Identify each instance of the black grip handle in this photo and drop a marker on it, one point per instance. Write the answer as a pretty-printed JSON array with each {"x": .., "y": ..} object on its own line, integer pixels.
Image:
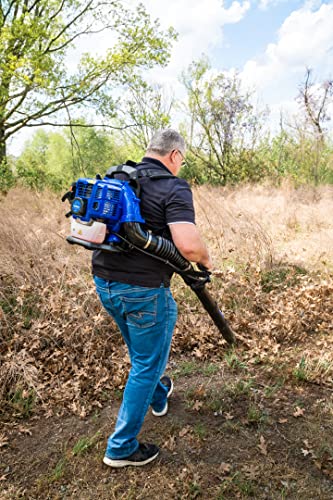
[{"x": 131, "y": 172}]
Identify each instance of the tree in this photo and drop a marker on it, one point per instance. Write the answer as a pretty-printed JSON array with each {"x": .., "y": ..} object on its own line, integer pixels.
[
  {"x": 315, "y": 100},
  {"x": 55, "y": 159},
  {"x": 147, "y": 108},
  {"x": 224, "y": 127},
  {"x": 35, "y": 37},
  {"x": 45, "y": 161},
  {"x": 313, "y": 150}
]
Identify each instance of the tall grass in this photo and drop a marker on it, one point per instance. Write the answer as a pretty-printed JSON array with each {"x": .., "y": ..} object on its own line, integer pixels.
[{"x": 57, "y": 345}]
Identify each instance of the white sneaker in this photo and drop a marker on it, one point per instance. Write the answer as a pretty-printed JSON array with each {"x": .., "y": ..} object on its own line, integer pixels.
[{"x": 169, "y": 384}]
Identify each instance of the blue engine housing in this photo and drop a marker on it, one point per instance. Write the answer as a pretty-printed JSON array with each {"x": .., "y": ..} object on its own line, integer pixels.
[{"x": 111, "y": 201}]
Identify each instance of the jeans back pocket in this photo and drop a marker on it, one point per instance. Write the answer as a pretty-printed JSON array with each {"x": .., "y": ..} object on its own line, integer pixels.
[{"x": 141, "y": 312}]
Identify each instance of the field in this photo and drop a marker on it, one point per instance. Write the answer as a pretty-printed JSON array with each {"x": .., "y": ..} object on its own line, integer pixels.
[{"x": 254, "y": 421}]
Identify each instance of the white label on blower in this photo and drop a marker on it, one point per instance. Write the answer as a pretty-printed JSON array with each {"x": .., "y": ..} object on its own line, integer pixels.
[{"x": 94, "y": 232}]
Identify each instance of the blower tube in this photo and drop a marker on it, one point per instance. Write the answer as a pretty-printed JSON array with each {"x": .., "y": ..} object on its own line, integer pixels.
[{"x": 165, "y": 250}]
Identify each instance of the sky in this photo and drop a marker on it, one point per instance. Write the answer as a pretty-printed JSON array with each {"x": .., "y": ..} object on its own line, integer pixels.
[{"x": 270, "y": 43}]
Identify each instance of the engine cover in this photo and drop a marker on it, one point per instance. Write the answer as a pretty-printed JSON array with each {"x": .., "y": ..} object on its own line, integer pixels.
[{"x": 110, "y": 202}]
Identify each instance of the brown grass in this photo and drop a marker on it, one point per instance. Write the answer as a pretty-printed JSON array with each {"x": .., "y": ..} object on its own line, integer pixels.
[
  {"x": 251, "y": 422},
  {"x": 56, "y": 340},
  {"x": 265, "y": 224}
]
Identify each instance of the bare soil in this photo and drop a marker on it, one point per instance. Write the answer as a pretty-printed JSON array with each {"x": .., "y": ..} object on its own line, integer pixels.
[{"x": 236, "y": 431}]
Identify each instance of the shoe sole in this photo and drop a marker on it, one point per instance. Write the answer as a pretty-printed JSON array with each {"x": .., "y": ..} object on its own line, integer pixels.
[
  {"x": 165, "y": 409},
  {"x": 125, "y": 463}
]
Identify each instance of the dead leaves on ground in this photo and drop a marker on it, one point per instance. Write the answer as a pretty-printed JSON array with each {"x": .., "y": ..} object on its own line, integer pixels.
[{"x": 74, "y": 355}]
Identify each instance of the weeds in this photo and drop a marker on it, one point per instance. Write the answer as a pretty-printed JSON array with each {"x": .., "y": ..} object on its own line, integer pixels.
[
  {"x": 240, "y": 388},
  {"x": 84, "y": 444},
  {"x": 281, "y": 276},
  {"x": 236, "y": 485},
  {"x": 210, "y": 369},
  {"x": 314, "y": 369},
  {"x": 59, "y": 470},
  {"x": 186, "y": 368},
  {"x": 56, "y": 341},
  {"x": 300, "y": 371},
  {"x": 23, "y": 402},
  {"x": 233, "y": 361},
  {"x": 270, "y": 391},
  {"x": 200, "y": 430},
  {"x": 72, "y": 353},
  {"x": 255, "y": 415}
]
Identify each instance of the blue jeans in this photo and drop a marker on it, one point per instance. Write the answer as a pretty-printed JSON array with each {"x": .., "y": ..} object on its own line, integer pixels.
[{"x": 146, "y": 318}]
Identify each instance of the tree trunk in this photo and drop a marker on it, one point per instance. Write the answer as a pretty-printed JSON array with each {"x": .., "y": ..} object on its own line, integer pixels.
[
  {"x": 2, "y": 144},
  {"x": 7, "y": 179}
]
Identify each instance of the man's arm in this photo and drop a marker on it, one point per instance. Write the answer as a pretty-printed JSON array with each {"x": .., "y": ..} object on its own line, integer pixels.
[{"x": 187, "y": 239}]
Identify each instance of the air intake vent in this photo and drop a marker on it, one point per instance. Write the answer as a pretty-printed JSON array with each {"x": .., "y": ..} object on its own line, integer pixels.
[
  {"x": 84, "y": 190},
  {"x": 110, "y": 209},
  {"x": 113, "y": 194},
  {"x": 99, "y": 193}
]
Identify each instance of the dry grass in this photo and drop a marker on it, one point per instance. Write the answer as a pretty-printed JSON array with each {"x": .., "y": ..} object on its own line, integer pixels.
[
  {"x": 61, "y": 354},
  {"x": 264, "y": 224},
  {"x": 56, "y": 340}
]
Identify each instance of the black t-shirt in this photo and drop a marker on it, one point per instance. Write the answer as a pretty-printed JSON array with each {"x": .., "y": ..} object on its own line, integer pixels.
[{"x": 163, "y": 201}]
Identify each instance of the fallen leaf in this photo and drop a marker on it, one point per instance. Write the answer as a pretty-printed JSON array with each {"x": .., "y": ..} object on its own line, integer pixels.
[
  {"x": 184, "y": 431},
  {"x": 197, "y": 405},
  {"x": 24, "y": 430},
  {"x": 263, "y": 446},
  {"x": 305, "y": 452},
  {"x": 3, "y": 441},
  {"x": 299, "y": 412},
  {"x": 251, "y": 471},
  {"x": 228, "y": 416},
  {"x": 225, "y": 468},
  {"x": 283, "y": 420},
  {"x": 170, "y": 444}
]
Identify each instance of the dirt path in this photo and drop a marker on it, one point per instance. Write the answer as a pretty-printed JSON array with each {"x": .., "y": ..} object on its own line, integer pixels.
[{"x": 233, "y": 431}]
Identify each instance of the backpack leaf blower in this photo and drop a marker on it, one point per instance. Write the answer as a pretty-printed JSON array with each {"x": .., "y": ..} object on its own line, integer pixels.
[{"x": 105, "y": 215}]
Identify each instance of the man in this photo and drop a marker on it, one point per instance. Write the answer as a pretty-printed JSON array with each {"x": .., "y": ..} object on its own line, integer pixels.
[{"x": 134, "y": 289}]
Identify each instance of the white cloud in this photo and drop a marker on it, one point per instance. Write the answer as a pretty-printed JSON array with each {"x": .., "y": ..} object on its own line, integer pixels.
[
  {"x": 264, "y": 4},
  {"x": 304, "y": 39},
  {"x": 198, "y": 23}
]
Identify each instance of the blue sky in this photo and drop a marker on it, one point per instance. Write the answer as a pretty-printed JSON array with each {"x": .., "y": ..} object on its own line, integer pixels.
[
  {"x": 269, "y": 42},
  {"x": 248, "y": 38}
]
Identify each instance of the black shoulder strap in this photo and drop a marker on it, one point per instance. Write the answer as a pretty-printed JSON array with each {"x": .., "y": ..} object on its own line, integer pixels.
[{"x": 152, "y": 172}]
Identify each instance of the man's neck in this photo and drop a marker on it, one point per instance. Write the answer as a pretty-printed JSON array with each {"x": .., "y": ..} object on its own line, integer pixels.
[{"x": 163, "y": 159}]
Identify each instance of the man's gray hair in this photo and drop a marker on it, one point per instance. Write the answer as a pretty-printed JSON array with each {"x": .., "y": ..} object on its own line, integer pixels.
[{"x": 165, "y": 141}]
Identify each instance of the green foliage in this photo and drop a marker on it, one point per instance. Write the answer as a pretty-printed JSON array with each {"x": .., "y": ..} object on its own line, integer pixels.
[
  {"x": 224, "y": 128},
  {"x": 200, "y": 430},
  {"x": 33, "y": 169},
  {"x": 58, "y": 471},
  {"x": 301, "y": 371},
  {"x": 55, "y": 159},
  {"x": 302, "y": 158},
  {"x": 147, "y": 109},
  {"x": 35, "y": 39},
  {"x": 7, "y": 178},
  {"x": 84, "y": 444},
  {"x": 233, "y": 361}
]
